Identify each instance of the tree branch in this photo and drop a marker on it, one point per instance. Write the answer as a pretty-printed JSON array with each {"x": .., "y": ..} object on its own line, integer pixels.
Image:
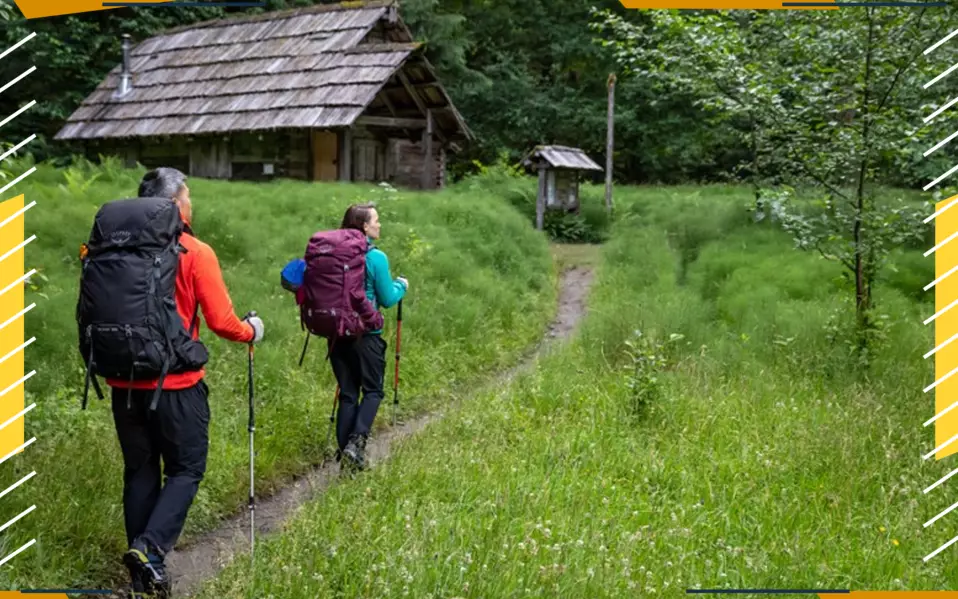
[
  {"x": 903, "y": 67},
  {"x": 839, "y": 259}
]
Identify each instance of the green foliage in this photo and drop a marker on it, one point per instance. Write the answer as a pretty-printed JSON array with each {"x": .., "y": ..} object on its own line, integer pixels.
[
  {"x": 648, "y": 359},
  {"x": 473, "y": 306},
  {"x": 802, "y": 83},
  {"x": 764, "y": 444}
]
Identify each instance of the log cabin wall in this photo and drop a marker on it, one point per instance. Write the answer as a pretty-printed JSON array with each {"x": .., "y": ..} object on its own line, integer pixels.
[{"x": 406, "y": 160}]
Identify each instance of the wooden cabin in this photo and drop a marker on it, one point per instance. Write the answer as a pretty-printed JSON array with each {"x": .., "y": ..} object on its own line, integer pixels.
[
  {"x": 559, "y": 168},
  {"x": 324, "y": 93}
]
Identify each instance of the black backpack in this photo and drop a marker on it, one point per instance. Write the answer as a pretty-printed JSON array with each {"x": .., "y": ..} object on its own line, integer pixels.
[{"x": 126, "y": 312}]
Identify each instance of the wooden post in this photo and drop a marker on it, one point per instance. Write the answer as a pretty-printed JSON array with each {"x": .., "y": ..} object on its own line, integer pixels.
[
  {"x": 609, "y": 145},
  {"x": 427, "y": 158},
  {"x": 541, "y": 198},
  {"x": 346, "y": 156}
]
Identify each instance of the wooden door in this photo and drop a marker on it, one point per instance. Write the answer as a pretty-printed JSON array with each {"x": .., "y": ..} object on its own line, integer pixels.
[
  {"x": 367, "y": 160},
  {"x": 325, "y": 151}
]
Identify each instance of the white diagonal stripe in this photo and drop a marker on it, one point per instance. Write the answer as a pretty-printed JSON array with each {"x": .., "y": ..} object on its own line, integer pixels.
[
  {"x": 931, "y": 386},
  {"x": 15, "y": 452},
  {"x": 14, "y": 82},
  {"x": 32, "y": 170},
  {"x": 940, "y": 447},
  {"x": 17, "y": 484},
  {"x": 17, "y": 315},
  {"x": 932, "y": 116},
  {"x": 927, "y": 320},
  {"x": 941, "y": 515},
  {"x": 940, "y": 145},
  {"x": 950, "y": 172},
  {"x": 940, "y": 347},
  {"x": 22, "y": 380},
  {"x": 13, "y": 520},
  {"x": 943, "y": 40},
  {"x": 940, "y": 414},
  {"x": 12, "y": 353},
  {"x": 954, "y": 200},
  {"x": 19, "y": 414},
  {"x": 33, "y": 271},
  {"x": 940, "y": 549},
  {"x": 18, "y": 44},
  {"x": 18, "y": 146},
  {"x": 20, "y": 246},
  {"x": 17, "y": 552},
  {"x": 941, "y": 480},
  {"x": 934, "y": 249},
  {"x": 927, "y": 287},
  {"x": 18, "y": 113},
  {"x": 942, "y": 76},
  {"x": 13, "y": 216}
]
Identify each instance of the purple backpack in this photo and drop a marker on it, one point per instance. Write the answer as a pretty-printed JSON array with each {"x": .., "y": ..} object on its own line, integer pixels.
[{"x": 332, "y": 298}]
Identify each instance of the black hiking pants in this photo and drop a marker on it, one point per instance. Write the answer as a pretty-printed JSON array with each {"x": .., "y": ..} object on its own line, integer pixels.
[
  {"x": 358, "y": 365},
  {"x": 177, "y": 432}
]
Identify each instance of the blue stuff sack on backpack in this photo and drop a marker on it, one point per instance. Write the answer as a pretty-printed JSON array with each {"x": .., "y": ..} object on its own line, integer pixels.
[{"x": 292, "y": 276}]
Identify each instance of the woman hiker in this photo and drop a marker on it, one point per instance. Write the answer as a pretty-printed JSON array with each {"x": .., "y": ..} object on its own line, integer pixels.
[{"x": 361, "y": 364}]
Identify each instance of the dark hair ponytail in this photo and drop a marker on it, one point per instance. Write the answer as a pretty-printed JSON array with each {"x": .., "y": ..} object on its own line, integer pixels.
[{"x": 356, "y": 216}]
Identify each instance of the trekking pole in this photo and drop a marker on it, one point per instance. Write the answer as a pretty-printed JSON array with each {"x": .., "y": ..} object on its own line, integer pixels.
[
  {"x": 332, "y": 417},
  {"x": 396, "y": 379},
  {"x": 252, "y": 428}
]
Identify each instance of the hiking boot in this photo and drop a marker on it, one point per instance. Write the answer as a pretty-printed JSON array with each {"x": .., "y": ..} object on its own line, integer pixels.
[
  {"x": 147, "y": 572},
  {"x": 355, "y": 451}
]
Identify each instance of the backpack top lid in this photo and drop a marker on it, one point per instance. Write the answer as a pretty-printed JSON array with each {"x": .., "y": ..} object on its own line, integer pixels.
[
  {"x": 336, "y": 242},
  {"x": 135, "y": 222}
]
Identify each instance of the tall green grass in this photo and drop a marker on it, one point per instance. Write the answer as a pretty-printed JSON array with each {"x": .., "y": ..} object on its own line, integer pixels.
[
  {"x": 766, "y": 457},
  {"x": 482, "y": 291}
]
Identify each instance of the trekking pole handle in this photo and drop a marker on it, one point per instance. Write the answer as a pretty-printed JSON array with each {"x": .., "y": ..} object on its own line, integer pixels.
[{"x": 250, "y": 314}]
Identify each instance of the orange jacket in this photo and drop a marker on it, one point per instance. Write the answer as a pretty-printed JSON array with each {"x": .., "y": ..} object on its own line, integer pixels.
[{"x": 198, "y": 279}]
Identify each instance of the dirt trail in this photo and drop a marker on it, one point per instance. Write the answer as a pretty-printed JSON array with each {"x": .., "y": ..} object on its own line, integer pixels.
[{"x": 209, "y": 553}]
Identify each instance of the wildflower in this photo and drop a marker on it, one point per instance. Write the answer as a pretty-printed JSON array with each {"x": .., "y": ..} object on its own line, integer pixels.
[{"x": 894, "y": 542}]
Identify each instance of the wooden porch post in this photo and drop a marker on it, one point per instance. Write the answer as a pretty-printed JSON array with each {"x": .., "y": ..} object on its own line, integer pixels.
[
  {"x": 541, "y": 198},
  {"x": 346, "y": 156},
  {"x": 427, "y": 158}
]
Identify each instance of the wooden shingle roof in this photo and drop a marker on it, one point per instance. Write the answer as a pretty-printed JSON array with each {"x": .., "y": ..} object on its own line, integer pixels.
[
  {"x": 315, "y": 67},
  {"x": 562, "y": 157}
]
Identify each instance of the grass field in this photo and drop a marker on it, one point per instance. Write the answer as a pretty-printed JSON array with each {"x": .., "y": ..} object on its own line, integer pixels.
[
  {"x": 474, "y": 305},
  {"x": 707, "y": 428}
]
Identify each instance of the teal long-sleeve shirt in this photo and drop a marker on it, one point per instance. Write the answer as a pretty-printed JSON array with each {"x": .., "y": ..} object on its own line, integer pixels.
[{"x": 381, "y": 289}]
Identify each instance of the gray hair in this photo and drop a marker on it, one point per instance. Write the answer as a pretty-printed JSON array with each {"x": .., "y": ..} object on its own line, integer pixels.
[{"x": 163, "y": 182}]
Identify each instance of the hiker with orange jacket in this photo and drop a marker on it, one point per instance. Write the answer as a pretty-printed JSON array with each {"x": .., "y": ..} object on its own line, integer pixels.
[{"x": 171, "y": 423}]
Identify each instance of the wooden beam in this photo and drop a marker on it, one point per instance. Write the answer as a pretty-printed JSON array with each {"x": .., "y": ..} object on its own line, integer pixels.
[
  {"x": 412, "y": 85},
  {"x": 427, "y": 157},
  {"x": 389, "y": 104},
  {"x": 541, "y": 198},
  {"x": 392, "y": 109},
  {"x": 609, "y": 145},
  {"x": 346, "y": 156},
  {"x": 415, "y": 98},
  {"x": 394, "y": 122}
]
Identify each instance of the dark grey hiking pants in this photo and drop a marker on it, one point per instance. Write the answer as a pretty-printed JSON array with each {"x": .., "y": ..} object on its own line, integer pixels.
[
  {"x": 359, "y": 366},
  {"x": 177, "y": 432}
]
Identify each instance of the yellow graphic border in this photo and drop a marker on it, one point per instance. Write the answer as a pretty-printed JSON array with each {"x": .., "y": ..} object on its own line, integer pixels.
[
  {"x": 38, "y": 9},
  {"x": 946, "y": 326}
]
